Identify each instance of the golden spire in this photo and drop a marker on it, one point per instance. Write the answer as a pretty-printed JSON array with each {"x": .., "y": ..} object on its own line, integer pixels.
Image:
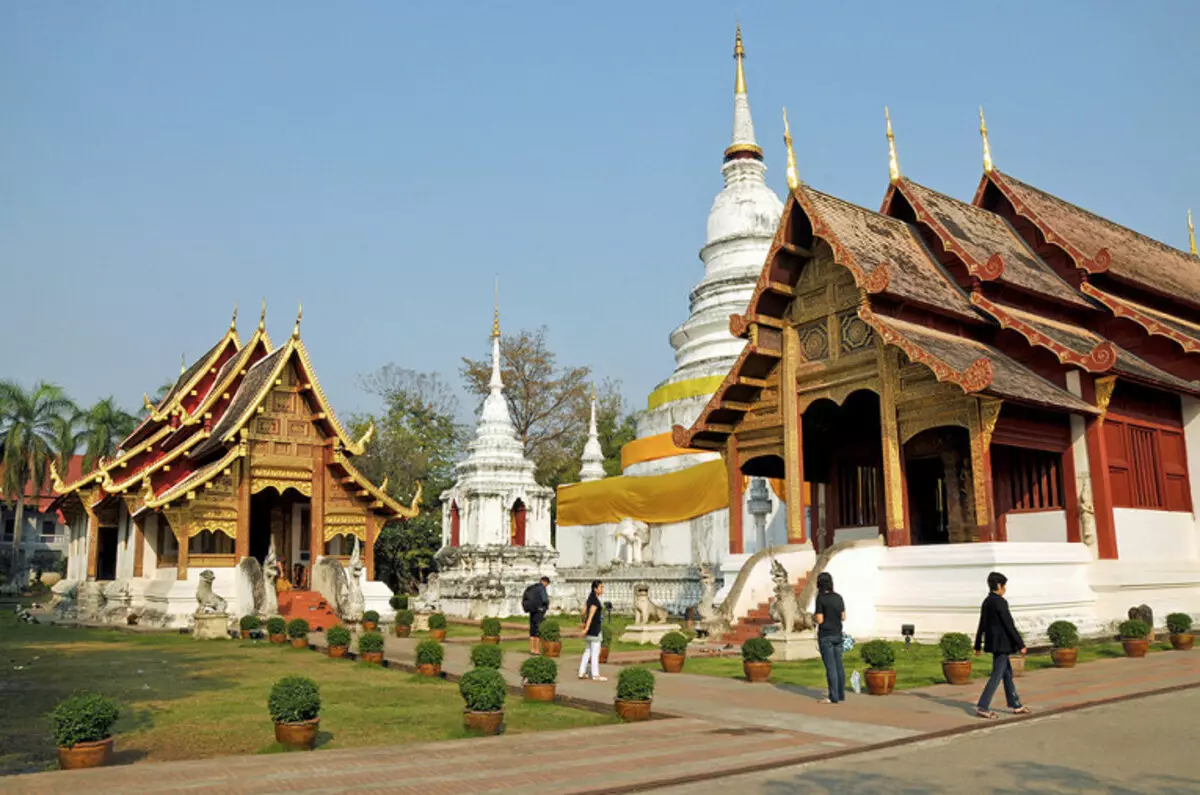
[
  {"x": 739, "y": 52},
  {"x": 233, "y": 322},
  {"x": 183, "y": 363},
  {"x": 296, "y": 328},
  {"x": 496, "y": 315},
  {"x": 793, "y": 175},
  {"x": 987, "y": 150},
  {"x": 893, "y": 161},
  {"x": 1191, "y": 232},
  {"x": 262, "y": 316}
]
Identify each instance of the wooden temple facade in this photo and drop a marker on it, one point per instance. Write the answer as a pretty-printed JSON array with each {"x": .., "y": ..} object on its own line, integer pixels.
[
  {"x": 942, "y": 371},
  {"x": 243, "y": 450}
]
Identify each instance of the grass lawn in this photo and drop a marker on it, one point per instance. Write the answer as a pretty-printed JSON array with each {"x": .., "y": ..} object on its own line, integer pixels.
[
  {"x": 184, "y": 699},
  {"x": 571, "y": 646}
]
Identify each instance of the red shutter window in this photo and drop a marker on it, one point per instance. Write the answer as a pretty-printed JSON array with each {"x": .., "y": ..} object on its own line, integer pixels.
[
  {"x": 1026, "y": 480},
  {"x": 857, "y": 496},
  {"x": 1175, "y": 478},
  {"x": 1143, "y": 468},
  {"x": 1147, "y": 466}
]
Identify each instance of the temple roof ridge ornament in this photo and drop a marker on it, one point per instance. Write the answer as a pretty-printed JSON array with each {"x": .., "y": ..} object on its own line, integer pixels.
[
  {"x": 893, "y": 161},
  {"x": 262, "y": 315},
  {"x": 988, "y": 167},
  {"x": 233, "y": 320},
  {"x": 299, "y": 315},
  {"x": 793, "y": 174},
  {"x": 1191, "y": 232},
  {"x": 743, "y": 142}
]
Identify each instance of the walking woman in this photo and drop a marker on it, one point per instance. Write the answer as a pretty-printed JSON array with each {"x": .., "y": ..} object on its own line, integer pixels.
[
  {"x": 592, "y": 618},
  {"x": 829, "y": 613}
]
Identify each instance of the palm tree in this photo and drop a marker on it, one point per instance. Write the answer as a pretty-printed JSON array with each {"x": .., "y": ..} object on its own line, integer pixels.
[
  {"x": 27, "y": 426},
  {"x": 68, "y": 435},
  {"x": 107, "y": 425}
]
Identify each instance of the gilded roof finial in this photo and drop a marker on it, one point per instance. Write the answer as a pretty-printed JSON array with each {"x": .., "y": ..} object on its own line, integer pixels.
[
  {"x": 987, "y": 149},
  {"x": 496, "y": 315},
  {"x": 793, "y": 174},
  {"x": 262, "y": 316},
  {"x": 183, "y": 363},
  {"x": 1191, "y": 232},
  {"x": 893, "y": 161},
  {"x": 233, "y": 322},
  {"x": 739, "y": 52},
  {"x": 299, "y": 314}
]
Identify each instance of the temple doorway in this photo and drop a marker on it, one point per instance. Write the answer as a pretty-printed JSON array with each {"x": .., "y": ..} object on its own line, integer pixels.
[
  {"x": 927, "y": 501},
  {"x": 517, "y": 519},
  {"x": 285, "y": 519},
  {"x": 937, "y": 473},
  {"x": 106, "y": 553},
  {"x": 843, "y": 453}
]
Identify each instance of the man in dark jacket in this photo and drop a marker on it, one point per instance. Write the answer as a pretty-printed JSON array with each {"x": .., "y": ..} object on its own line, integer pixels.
[
  {"x": 541, "y": 604},
  {"x": 1000, "y": 638}
]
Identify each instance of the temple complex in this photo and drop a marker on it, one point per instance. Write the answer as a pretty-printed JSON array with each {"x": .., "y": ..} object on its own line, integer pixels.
[{"x": 244, "y": 457}]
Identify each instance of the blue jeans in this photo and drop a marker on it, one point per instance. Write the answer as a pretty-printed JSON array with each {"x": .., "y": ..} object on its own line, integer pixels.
[
  {"x": 1001, "y": 672},
  {"x": 835, "y": 673}
]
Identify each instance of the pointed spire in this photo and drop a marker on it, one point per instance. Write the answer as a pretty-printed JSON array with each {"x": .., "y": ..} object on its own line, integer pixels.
[
  {"x": 262, "y": 316},
  {"x": 1191, "y": 232},
  {"x": 744, "y": 143},
  {"x": 893, "y": 161},
  {"x": 496, "y": 312},
  {"x": 793, "y": 174},
  {"x": 299, "y": 314},
  {"x": 183, "y": 363},
  {"x": 593, "y": 454},
  {"x": 233, "y": 322},
  {"x": 496, "y": 384},
  {"x": 739, "y": 54},
  {"x": 987, "y": 149}
]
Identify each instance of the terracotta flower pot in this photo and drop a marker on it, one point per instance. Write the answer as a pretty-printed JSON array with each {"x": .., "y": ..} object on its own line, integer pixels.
[
  {"x": 551, "y": 648},
  {"x": 957, "y": 672},
  {"x": 757, "y": 671},
  {"x": 603, "y": 654},
  {"x": 429, "y": 669},
  {"x": 369, "y": 626},
  {"x": 880, "y": 683},
  {"x": 245, "y": 634},
  {"x": 490, "y": 639},
  {"x": 337, "y": 651},
  {"x": 302, "y": 735},
  {"x": 539, "y": 692},
  {"x": 437, "y": 634},
  {"x": 299, "y": 643},
  {"x": 1017, "y": 661},
  {"x": 486, "y": 722},
  {"x": 1064, "y": 658},
  {"x": 402, "y": 631},
  {"x": 373, "y": 657},
  {"x": 633, "y": 710},
  {"x": 1135, "y": 647},
  {"x": 1183, "y": 642},
  {"x": 81, "y": 755},
  {"x": 280, "y": 639},
  {"x": 671, "y": 663}
]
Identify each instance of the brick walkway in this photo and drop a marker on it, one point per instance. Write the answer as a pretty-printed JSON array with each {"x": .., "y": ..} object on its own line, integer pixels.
[{"x": 718, "y": 727}]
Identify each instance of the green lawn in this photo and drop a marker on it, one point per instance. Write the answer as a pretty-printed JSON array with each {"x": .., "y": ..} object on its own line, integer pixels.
[
  {"x": 569, "y": 623},
  {"x": 183, "y": 699}
]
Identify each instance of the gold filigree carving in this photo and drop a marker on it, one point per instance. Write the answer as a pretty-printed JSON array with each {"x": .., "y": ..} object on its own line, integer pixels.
[
  {"x": 1104, "y": 392},
  {"x": 989, "y": 413}
]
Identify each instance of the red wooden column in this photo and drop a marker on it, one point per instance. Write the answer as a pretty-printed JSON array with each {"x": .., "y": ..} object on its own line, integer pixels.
[
  {"x": 1098, "y": 392},
  {"x": 895, "y": 491},
  {"x": 242, "y": 542},
  {"x": 983, "y": 417},
  {"x": 93, "y": 536},
  {"x": 1071, "y": 495},
  {"x": 733, "y": 473},
  {"x": 139, "y": 546},
  {"x": 369, "y": 552},
  {"x": 793, "y": 437},
  {"x": 830, "y": 498}
]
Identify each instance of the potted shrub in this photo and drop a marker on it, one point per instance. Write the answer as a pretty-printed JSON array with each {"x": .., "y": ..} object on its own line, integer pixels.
[
  {"x": 277, "y": 629},
  {"x": 429, "y": 658},
  {"x": 540, "y": 675},
  {"x": 491, "y": 630},
  {"x": 1133, "y": 637},
  {"x": 551, "y": 635},
  {"x": 635, "y": 690},
  {"x": 398, "y": 602},
  {"x": 370, "y": 621},
  {"x": 437, "y": 627},
  {"x": 370, "y": 647},
  {"x": 295, "y": 706},
  {"x": 880, "y": 658},
  {"x": 672, "y": 652},
  {"x": 1064, "y": 643},
  {"x": 606, "y": 636},
  {"x": 483, "y": 690},
  {"x": 248, "y": 624},
  {"x": 1180, "y": 627},
  {"x": 83, "y": 730},
  {"x": 956, "y": 657},
  {"x": 756, "y": 659},
  {"x": 297, "y": 631},
  {"x": 404, "y": 622},
  {"x": 338, "y": 639},
  {"x": 487, "y": 655}
]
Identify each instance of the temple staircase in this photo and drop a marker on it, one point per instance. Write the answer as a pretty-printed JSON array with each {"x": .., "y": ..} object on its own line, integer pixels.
[
  {"x": 751, "y": 626},
  {"x": 310, "y": 606}
]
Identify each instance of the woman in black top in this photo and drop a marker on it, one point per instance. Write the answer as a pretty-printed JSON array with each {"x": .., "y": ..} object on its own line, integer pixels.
[
  {"x": 830, "y": 612},
  {"x": 592, "y": 617}
]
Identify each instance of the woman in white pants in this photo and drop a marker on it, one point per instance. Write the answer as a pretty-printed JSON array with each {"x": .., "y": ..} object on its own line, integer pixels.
[{"x": 592, "y": 618}]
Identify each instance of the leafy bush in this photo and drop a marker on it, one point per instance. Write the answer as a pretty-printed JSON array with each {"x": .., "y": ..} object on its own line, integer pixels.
[
  {"x": 297, "y": 628},
  {"x": 437, "y": 621},
  {"x": 276, "y": 625},
  {"x": 338, "y": 636},
  {"x": 294, "y": 699},
  {"x": 673, "y": 643},
  {"x": 487, "y": 655},
  {"x": 606, "y": 634},
  {"x": 404, "y": 618},
  {"x": 956, "y": 647},
  {"x": 399, "y": 602},
  {"x": 635, "y": 684},
  {"x": 878, "y": 655},
  {"x": 372, "y": 616},
  {"x": 550, "y": 630},
  {"x": 484, "y": 689},
  {"x": 83, "y": 718},
  {"x": 429, "y": 652},
  {"x": 757, "y": 650},
  {"x": 370, "y": 642},
  {"x": 248, "y": 623},
  {"x": 490, "y": 627},
  {"x": 1179, "y": 623},
  {"x": 1063, "y": 635},
  {"x": 1134, "y": 629},
  {"x": 539, "y": 670}
]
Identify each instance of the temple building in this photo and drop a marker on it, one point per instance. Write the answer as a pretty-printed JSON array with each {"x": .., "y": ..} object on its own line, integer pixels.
[
  {"x": 243, "y": 455},
  {"x": 1007, "y": 383}
]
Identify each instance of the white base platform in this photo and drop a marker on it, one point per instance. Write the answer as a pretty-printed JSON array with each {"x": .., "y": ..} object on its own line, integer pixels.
[{"x": 647, "y": 633}]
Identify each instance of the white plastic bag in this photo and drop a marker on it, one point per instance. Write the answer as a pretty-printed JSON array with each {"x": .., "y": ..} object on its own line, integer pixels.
[{"x": 856, "y": 682}]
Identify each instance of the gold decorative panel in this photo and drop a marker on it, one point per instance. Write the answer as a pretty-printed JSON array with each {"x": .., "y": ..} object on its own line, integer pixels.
[
  {"x": 814, "y": 340},
  {"x": 856, "y": 335},
  {"x": 296, "y": 428},
  {"x": 267, "y": 425},
  {"x": 281, "y": 403}
]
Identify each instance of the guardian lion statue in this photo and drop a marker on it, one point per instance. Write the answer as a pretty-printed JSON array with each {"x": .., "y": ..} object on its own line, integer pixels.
[
  {"x": 712, "y": 619},
  {"x": 785, "y": 607},
  {"x": 645, "y": 611},
  {"x": 355, "y": 602},
  {"x": 209, "y": 601}
]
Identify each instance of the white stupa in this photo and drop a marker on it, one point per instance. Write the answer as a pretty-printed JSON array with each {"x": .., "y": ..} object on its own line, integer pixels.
[{"x": 593, "y": 454}]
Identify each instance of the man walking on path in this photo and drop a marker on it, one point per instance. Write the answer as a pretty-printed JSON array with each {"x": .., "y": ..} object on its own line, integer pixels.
[
  {"x": 1000, "y": 638},
  {"x": 536, "y": 601}
]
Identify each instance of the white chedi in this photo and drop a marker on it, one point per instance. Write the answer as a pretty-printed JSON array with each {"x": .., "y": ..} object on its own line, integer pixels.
[{"x": 593, "y": 454}]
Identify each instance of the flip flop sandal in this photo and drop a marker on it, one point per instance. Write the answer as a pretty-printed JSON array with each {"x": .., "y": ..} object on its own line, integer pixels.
[
  {"x": 1022, "y": 711},
  {"x": 600, "y": 679},
  {"x": 979, "y": 713}
]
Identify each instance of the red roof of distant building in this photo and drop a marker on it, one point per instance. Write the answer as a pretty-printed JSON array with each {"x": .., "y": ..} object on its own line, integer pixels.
[{"x": 41, "y": 501}]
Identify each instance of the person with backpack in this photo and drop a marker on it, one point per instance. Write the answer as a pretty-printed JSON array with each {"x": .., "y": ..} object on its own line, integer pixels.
[{"x": 536, "y": 601}]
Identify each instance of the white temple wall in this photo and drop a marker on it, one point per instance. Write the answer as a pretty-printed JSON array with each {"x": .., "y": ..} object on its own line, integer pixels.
[
  {"x": 843, "y": 534},
  {"x": 1191, "y": 441},
  {"x": 1145, "y": 535},
  {"x": 125, "y": 551},
  {"x": 1037, "y": 527}
]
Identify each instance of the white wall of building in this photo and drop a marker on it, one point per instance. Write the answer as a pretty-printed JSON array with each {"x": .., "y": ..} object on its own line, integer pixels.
[
  {"x": 1145, "y": 535},
  {"x": 1037, "y": 527}
]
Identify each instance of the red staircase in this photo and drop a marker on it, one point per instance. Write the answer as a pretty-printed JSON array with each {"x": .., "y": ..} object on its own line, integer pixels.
[
  {"x": 310, "y": 606},
  {"x": 752, "y": 625}
]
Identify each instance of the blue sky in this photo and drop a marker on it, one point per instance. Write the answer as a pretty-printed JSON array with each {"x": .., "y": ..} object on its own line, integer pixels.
[{"x": 384, "y": 161}]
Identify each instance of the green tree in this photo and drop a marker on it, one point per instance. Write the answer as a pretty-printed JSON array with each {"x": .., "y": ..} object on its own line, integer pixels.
[
  {"x": 107, "y": 425},
  {"x": 68, "y": 434},
  {"x": 615, "y": 427}
]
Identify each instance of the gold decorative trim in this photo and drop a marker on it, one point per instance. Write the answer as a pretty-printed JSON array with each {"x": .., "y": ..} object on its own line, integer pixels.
[
  {"x": 1104, "y": 392},
  {"x": 989, "y": 413}
]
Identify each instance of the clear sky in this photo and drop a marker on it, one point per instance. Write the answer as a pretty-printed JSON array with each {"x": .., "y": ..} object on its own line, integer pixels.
[{"x": 383, "y": 161}]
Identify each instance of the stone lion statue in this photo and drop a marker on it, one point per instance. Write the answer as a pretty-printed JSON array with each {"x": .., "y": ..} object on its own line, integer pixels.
[
  {"x": 209, "y": 601},
  {"x": 785, "y": 607},
  {"x": 644, "y": 610},
  {"x": 712, "y": 619}
]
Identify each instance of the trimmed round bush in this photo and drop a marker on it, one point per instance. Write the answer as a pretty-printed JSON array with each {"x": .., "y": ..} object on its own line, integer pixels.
[
  {"x": 1134, "y": 629},
  {"x": 956, "y": 647},
  {"x": 338, "y": 636},
  {"x": 484, "y": 689},
  {"x": 297, "y": 628},
  {"x": 487, "y": 655},
  {"x": 276, "y": 625},
  {"x": 673, "y": 643},
  {"x": 399, "y": 602},
  {"x": 430, "y": 652},
  {"x": 404, "y": 618},
  {"x": 878, "y": 655},
  {"x": 490, "y": 627},
  {"x": 539, "y": 670},
  {"x": 370, "y": 642},
  {"x": 437, "y": 621},
  {"x": 83, "y": 718},
  {"x": 248, "y": 623},
  {"x": 1063, "y": 635},
  {"x": 757, "y": 650},
  {"x": 550, "y": 630},
  {"x": 1179, "y": 623},
  {"x": 606, "y": 635},
  {"x": 372, "y": 616},
  {"x": 635, "y": 684},
  {"x": 294, "y": 699}
]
